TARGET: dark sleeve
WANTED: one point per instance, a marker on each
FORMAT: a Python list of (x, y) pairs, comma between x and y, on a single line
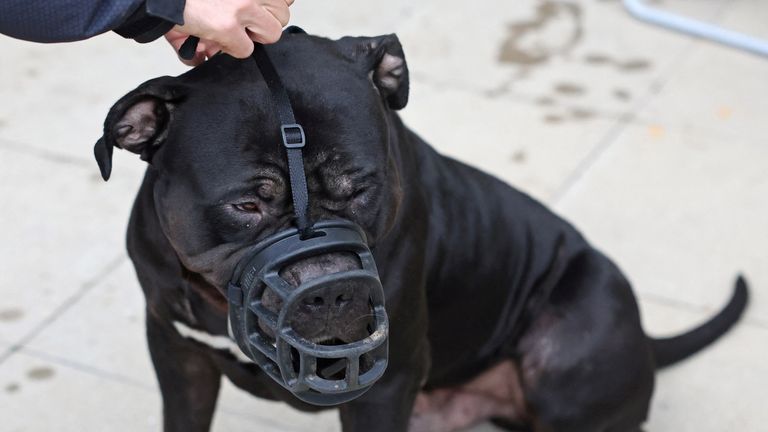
[(71, 20)]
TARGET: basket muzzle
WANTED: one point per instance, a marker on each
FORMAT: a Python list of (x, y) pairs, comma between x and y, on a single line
[(268, 337)]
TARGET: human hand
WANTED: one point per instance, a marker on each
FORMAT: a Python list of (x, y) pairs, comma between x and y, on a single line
[(230, 26)]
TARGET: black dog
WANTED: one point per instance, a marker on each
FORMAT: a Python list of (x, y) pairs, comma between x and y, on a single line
[(498, 308)]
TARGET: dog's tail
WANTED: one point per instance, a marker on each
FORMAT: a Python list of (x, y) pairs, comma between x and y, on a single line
[(671, 350)]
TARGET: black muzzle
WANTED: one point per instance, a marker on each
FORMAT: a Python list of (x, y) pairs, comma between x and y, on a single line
[(315, 373), (285, 355)]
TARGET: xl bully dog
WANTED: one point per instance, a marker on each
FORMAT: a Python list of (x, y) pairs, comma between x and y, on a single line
[(497, 309)]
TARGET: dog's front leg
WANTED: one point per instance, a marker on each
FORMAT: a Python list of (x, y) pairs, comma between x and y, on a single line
[(387, 406), (189, 381)]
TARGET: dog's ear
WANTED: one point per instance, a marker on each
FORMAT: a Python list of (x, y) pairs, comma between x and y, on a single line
[(139, 121), (383, 58)]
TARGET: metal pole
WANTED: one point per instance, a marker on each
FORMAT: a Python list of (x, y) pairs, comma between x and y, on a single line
[(696, 28)]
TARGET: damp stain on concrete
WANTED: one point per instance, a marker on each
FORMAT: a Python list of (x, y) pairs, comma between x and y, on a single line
[(582, 113), (555, 29), (569, 89), (545, 101), (622, 95), (40, 373), (10, 315), (630, 65), (597, 59), (553, 119), (634, 65), (519, 156)]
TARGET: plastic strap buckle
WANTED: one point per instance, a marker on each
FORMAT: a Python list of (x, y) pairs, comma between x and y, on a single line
[(293, 135), (235, 294)]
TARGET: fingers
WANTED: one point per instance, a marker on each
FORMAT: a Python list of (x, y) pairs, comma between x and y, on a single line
[(211, 49), (236, 42), (279, 10), (265, 31), (197, 60), (265, 22), (232, 25), (205, 48), (176, 39)]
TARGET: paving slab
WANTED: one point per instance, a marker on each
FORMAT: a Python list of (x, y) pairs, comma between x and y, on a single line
[(104, 331), (721, 388), (696, 9), (5, 348), (718, 90), (58, 233), (49, 395), (574, 58), (681, 213), (509, 139), (747, 16), (337, 18), (39, 395), (59, 94), (244, 406)]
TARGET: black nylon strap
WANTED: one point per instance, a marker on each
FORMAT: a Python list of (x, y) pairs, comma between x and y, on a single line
[(293, 140)]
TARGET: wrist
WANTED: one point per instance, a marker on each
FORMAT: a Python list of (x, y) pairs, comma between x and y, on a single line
[(152, 19)]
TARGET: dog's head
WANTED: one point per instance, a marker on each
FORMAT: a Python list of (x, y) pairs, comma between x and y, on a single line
[(212, 139)]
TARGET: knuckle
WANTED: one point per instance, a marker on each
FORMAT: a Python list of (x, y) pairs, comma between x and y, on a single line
[(231, 26), (285, 18), (244, 49), (243, 5), (238, 52), (271, 36)]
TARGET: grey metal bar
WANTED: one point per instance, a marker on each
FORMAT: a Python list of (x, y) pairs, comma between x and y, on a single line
[(682, 24)]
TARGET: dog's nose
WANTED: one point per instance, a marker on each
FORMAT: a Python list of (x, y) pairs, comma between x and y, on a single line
[(339, 309), (331, 298)]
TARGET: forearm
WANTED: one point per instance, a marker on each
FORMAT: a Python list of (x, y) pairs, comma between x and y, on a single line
[(71, 20)]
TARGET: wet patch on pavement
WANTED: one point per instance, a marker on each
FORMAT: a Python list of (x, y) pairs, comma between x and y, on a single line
[(40, 373), (555, 30), (11, 314)]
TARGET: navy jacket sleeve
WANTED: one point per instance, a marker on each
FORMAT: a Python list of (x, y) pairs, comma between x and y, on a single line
[(71, 20)]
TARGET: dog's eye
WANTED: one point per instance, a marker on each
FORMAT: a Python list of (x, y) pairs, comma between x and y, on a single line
[(248, 207)]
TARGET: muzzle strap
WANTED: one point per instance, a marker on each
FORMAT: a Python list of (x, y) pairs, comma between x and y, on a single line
[(293, 138), (317, 373)]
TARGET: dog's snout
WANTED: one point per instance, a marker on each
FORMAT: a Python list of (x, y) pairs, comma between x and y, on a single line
[(339, 310), (333, 297), (330, 298), (314, 267)]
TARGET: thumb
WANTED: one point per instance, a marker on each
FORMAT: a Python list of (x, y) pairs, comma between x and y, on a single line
[(237, 44)]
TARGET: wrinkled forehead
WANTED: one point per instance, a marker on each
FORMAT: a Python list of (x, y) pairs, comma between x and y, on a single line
[(229, 122)]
